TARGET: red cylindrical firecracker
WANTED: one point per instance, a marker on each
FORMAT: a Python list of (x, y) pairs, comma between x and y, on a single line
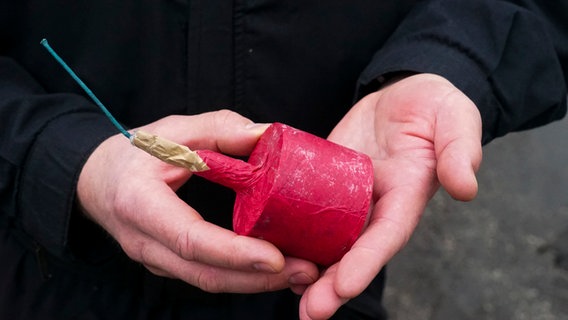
[(306, 195)]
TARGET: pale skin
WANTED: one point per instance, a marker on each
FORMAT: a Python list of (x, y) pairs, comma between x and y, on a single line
[(421, 132)]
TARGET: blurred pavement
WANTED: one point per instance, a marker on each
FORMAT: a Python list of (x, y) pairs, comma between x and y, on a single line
[(503, 255)]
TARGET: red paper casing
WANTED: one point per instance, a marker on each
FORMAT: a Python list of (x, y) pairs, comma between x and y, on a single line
[(304, 194)]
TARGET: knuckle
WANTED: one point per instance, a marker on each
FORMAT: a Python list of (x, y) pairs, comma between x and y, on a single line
[(157, 271), (225, 115), (135, 250), (144, 255), (185, 246), (224, 118), (270, 284), (209, 281)]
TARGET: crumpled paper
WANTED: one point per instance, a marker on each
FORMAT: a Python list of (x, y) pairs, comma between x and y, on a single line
[(169, 151)]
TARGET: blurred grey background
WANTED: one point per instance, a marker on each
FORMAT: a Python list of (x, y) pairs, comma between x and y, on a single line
[(503, 255)]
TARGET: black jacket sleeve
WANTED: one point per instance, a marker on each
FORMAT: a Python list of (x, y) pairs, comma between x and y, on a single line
[(509, 58), (46, 139)]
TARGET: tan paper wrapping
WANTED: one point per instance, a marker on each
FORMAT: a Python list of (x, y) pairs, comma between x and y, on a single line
[(169, 151)]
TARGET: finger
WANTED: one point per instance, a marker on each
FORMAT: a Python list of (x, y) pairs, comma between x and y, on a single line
[(298, 289), (320, 301), (394, 219), (159, 272), (178, 227), (458, 146), (223, 131), (215, 279)]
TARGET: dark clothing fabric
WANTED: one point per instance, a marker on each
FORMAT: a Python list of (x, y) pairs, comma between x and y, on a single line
[(303, 63)]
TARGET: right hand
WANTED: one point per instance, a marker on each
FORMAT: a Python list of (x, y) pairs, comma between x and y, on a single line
[(132, 196)]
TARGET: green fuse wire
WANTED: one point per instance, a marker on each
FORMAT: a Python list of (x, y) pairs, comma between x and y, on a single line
[(85, 88), (165, 150)]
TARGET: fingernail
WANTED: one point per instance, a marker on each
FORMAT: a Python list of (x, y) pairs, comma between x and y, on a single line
[(300, 278), (263, 267)]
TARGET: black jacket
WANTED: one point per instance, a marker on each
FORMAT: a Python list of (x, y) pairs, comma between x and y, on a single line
[(303, 63)]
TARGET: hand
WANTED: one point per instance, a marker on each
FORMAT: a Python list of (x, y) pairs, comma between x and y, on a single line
[(419, 131), (132, 196)]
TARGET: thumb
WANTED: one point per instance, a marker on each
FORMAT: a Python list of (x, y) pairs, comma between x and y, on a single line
[(458, 146), (223, 131), (457, 166)]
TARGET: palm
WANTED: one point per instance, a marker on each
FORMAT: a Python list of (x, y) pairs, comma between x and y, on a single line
[(419, 131)]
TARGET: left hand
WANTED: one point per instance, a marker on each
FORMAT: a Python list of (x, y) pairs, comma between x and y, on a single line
[(420, 132)]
